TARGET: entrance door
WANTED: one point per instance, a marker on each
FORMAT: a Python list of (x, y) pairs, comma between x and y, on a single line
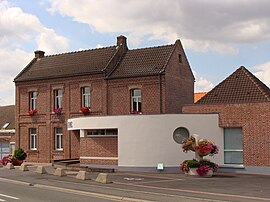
[(4, 149)]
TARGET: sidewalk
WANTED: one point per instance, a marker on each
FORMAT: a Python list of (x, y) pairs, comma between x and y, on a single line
[(154, 186)]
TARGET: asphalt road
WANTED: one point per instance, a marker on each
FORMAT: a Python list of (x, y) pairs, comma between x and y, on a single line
[(19, 192), (140, 187)]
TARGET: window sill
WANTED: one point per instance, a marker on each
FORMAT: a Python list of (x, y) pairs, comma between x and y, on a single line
[(32, 151), (237, 166), (58, 151), (101, 136)]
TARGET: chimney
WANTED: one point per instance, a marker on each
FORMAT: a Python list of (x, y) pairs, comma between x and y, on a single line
[(121, 41), (39, 54)]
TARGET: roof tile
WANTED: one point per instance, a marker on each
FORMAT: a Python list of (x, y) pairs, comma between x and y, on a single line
[(67, 64), (143, 61), (240, 87)]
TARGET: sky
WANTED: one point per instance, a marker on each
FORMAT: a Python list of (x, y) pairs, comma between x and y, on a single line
[(218, 36)]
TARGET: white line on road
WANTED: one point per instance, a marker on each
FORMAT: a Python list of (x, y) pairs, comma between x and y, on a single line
[(2, 200), (7, 196), (92, 194)]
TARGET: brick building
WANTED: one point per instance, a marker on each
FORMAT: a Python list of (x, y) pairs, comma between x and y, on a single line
[(243, 104), (107, 81), (7, 130)]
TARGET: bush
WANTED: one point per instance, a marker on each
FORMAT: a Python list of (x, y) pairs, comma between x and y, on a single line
[(20, 154), (192, 163)]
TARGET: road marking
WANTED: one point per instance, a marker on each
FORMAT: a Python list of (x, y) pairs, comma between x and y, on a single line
[(155, 181), (195, 192), (92, 194), (147, 176), (7, 196), (14, 181), (143, 192), (2, 200)]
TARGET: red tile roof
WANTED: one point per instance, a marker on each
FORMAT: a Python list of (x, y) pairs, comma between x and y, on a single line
[(143, 61), (198, 96), (240, 87)]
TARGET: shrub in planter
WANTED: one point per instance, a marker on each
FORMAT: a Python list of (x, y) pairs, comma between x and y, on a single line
[(20, 154)]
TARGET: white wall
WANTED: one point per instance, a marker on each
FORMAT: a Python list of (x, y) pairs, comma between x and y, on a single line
[(145, 140)]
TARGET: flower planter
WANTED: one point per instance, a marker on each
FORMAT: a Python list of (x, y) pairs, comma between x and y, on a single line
[(58, 111), (85, 110), (193, 172), (32, 112)]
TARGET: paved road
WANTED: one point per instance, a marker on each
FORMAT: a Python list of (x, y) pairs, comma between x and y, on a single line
[(19, 192), (153, 186)]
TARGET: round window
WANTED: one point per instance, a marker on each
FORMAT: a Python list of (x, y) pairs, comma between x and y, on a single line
[(179, 134)]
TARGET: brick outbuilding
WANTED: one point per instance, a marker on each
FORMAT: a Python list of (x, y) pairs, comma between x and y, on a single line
[(106, 81), (7, 130), (243, 104)]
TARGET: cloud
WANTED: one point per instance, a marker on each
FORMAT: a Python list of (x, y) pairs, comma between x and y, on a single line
[(262, 71), (18, 27), (202, 25), (49, 41), (12, 61), (21, 30), (202, 84)]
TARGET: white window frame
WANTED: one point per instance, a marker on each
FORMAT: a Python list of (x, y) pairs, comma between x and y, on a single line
[(103, 132), (85, 96), (58, 98), (33, 138), (232, 150), (137, 99), (33, 100), (59, 140)]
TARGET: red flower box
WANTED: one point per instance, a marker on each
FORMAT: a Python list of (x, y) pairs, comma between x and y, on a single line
[(58, 111), (85, 110), (32, 112), (135, 112)]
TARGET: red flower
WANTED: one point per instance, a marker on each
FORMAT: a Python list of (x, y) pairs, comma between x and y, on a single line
[(85, 110), (32, 112), (58, 110)]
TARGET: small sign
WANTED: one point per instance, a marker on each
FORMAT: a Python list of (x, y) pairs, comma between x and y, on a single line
[(69, 124), (160, 166)]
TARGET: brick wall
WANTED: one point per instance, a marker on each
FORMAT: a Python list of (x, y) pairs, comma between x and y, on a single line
[(160, 94), (179, 82), (254, 118), (119, 95), (99, 147)]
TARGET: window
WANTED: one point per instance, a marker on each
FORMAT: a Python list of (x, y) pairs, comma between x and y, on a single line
[(136, 100), (58, 98), (85, 96), (233, 147), (58, 139), (32, 100), (179, 134), (102, 132), (33, 139), (180, 58)]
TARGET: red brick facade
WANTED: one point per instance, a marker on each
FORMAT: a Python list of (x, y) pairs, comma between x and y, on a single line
[(253, 118), (165, 92)]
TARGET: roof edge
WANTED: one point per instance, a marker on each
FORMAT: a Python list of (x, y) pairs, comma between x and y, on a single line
[(24, 69)]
